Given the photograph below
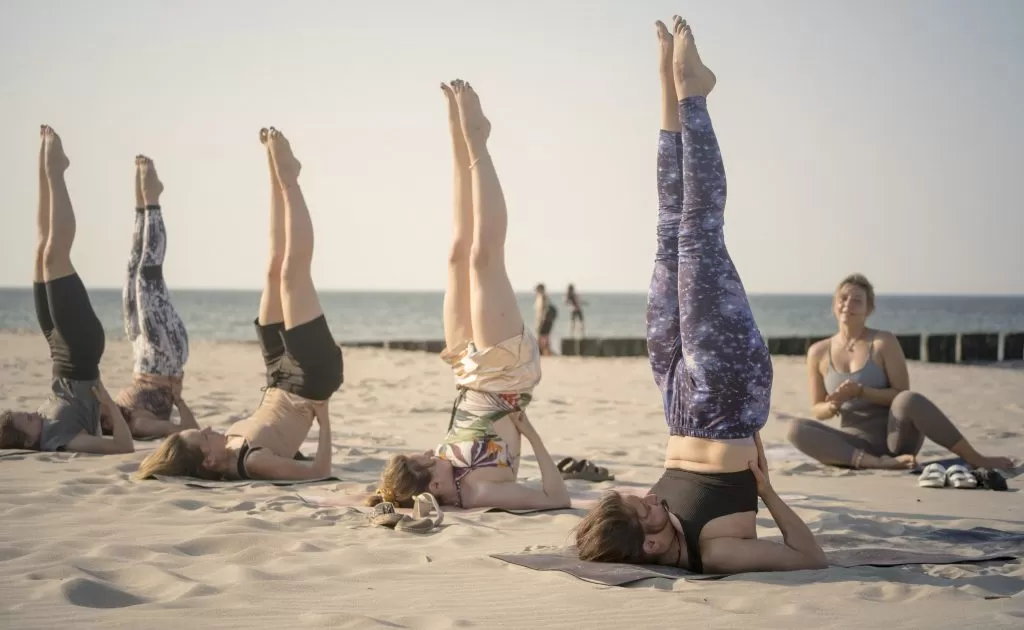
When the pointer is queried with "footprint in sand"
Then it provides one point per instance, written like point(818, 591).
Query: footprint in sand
point(93, 594)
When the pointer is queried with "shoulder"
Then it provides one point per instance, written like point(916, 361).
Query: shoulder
point(819, 349)
point(884, 337)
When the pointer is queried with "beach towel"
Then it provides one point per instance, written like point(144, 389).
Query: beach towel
point(358, 501)
point(916, 546)
point(193, 482)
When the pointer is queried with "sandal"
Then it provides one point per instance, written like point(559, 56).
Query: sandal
point(990, 479)
point(384, 514)
point(583, 469)
point(420, 522)
point(933, 476)
point(957, 476)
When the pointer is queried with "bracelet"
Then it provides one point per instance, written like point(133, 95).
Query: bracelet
point(858, 458)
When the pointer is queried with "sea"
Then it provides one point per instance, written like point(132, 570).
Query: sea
point(369, 316)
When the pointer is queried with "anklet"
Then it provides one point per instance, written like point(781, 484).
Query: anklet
point(482, 157)
point(858, 458)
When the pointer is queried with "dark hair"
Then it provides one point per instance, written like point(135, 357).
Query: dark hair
point(611, 532)
point(539, 287)
point(10, 435)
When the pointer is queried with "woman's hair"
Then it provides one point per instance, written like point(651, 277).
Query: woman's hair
point(402, 479)
point(10, 435)
point(861, 281)
point(611, 532)
point(175, 458)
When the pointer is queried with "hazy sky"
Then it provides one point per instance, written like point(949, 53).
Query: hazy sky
point(875, 136)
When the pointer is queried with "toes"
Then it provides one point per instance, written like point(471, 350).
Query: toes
point(263, 135)
point(447, 91)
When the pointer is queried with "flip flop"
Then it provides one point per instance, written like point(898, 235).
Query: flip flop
point(990, 479)
point(957, 476)
point(933, 476)
point(584, 469)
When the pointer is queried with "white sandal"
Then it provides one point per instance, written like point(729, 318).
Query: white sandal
point(957, 476)
point(933, 476)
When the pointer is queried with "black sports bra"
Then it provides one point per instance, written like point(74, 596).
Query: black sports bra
point(243, 454)
point(699, 498)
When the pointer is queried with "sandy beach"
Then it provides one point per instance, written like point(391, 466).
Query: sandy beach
point(82, 545)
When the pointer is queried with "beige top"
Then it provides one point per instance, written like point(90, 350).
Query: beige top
point(280, 424)
point(511, 367)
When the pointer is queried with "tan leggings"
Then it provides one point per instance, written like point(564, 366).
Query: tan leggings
point(910, 419)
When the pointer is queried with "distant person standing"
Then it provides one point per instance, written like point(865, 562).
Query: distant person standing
point(572, 299)
point(545, 314)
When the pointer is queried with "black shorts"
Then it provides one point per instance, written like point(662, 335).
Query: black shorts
point(548, 322)
point(304, 360)
point(71, 328)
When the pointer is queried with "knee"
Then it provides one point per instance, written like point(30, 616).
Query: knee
point(274, 270)
point(53, 256)
point(294, 272)
point(459, 253)
point(797, 430)
point(480, 257)
point(905, 402)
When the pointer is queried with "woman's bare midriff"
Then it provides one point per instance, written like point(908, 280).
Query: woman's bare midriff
point(709, 456)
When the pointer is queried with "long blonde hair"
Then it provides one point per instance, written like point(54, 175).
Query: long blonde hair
point(402, 479)
point(175, 458)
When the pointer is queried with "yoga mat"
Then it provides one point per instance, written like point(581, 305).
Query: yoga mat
point(193, 482)
point(15, 451)
point(939, 546)
point(357, 501)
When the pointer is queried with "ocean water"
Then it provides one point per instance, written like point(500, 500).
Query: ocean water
point(363, 316)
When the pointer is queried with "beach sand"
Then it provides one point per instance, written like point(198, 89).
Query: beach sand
point(81, 545)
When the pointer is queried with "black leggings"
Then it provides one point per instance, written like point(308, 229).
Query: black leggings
point(71, 328)
point(899, 430)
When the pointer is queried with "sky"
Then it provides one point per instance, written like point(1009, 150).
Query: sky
point(865, 135)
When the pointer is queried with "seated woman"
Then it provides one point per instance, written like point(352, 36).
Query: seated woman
point(70, 418)
point(711, 365)
point(303, 363)
point(158, 336)
point(860, 375)
point(494, 357)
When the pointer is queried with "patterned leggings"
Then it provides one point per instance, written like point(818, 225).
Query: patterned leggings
point(158, 336)
point(707, 355)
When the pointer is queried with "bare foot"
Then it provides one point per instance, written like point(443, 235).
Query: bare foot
point(140, 201)
point(997, 463)
point(149, 181)
point(887, 462)
point(42, 152)
point(665, 47)
point(692, 77)
point(475, 126)
point(56, 160)
point(286, 166)
point(455, 124)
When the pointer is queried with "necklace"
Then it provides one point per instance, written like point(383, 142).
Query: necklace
point(848, 344)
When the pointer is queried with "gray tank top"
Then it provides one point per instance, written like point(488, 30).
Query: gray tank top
point(854, 414)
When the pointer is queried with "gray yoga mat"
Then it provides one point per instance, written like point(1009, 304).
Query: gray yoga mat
point(14, 452)
point(938, 546)
point(193, 482)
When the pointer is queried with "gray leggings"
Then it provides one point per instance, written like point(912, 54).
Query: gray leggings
point(900, 430)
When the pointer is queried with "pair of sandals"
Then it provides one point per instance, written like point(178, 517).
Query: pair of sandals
point(584, 469)
point(958, 476)
point(420, 522)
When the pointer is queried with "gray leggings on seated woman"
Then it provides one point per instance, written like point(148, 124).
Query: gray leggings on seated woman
point(897, 430)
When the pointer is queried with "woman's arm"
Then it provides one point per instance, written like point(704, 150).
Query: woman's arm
point(821, 408)
point(186, 419)
point(798, 551)
point(263, 464)
point(894, 362)
point(553, 493)
point(120, 442)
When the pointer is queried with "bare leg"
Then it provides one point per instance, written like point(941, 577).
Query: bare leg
point(299, 300)
point(494, 309)
point(669, 100)
point(57, 255)
point(42, 210)
point(271, 311)
point(458, 322)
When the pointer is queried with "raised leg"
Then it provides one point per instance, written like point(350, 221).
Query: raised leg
point(493, 306)
point(162, 348)
point(61, 235)
point(42, 211)
point(458, 322)
point(129, 301)
point(727, 366)
point(663, 295)
point(271, 311)
point(299, 300)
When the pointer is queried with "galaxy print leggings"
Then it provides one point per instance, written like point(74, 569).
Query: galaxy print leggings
point(158, 336)
point(706, 352)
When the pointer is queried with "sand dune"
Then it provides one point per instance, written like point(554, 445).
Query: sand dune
point(83, 545)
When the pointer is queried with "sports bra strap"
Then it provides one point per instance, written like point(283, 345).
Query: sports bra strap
point(243, 454)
